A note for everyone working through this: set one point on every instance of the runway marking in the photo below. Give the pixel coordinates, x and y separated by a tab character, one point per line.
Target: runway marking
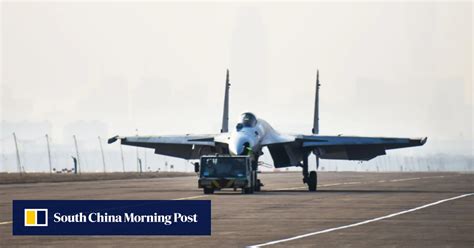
6	222
441	176
327	185
302	187
322	185
405	179
352	183
362	222
349	183
190	197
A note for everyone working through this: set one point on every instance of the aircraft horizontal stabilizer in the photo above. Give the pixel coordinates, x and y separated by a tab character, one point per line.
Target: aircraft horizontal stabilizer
113	139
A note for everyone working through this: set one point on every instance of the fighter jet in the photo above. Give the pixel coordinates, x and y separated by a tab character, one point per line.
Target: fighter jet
252	134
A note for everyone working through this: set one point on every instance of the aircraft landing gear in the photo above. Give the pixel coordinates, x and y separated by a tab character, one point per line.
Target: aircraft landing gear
313	181
311	178
257	183
258	186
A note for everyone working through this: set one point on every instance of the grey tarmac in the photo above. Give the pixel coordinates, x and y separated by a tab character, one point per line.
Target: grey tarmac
283	210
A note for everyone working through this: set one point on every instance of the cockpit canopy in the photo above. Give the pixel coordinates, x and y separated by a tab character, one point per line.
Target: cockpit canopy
247	120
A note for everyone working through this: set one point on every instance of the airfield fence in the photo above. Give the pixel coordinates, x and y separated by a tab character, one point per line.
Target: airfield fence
45	154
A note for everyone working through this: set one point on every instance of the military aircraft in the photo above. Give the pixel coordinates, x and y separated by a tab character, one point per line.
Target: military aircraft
252	134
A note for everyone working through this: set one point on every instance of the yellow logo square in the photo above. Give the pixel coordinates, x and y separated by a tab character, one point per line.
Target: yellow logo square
36	217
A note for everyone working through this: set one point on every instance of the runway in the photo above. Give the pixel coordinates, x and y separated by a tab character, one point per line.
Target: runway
349	210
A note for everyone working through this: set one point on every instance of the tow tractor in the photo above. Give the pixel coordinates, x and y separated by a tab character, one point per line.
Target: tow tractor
218	172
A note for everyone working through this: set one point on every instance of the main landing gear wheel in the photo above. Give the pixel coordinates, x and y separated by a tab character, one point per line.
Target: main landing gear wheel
208	191
258	186
312	181
253	186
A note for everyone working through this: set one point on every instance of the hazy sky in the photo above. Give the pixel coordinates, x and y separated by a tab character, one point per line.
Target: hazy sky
387	69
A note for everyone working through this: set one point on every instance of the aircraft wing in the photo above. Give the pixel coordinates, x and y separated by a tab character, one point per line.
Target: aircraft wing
354	147
337	147
181	146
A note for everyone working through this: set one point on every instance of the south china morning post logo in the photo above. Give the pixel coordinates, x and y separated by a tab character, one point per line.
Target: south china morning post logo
111	217
39	217
105	217
36	217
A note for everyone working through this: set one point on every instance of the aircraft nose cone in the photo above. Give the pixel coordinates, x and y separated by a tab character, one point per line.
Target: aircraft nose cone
238	146
236	149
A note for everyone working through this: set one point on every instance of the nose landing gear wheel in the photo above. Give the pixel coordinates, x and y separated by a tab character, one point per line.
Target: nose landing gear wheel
312	181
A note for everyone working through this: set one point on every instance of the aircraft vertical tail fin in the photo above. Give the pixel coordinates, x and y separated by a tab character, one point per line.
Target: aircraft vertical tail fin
316	114
225	115
316	106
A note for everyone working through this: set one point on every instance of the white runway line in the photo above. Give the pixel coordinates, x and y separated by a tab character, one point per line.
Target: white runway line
302	187
369	182
6	222
328	185
322	185
352	183
362	222
405	179
190	197
440	176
